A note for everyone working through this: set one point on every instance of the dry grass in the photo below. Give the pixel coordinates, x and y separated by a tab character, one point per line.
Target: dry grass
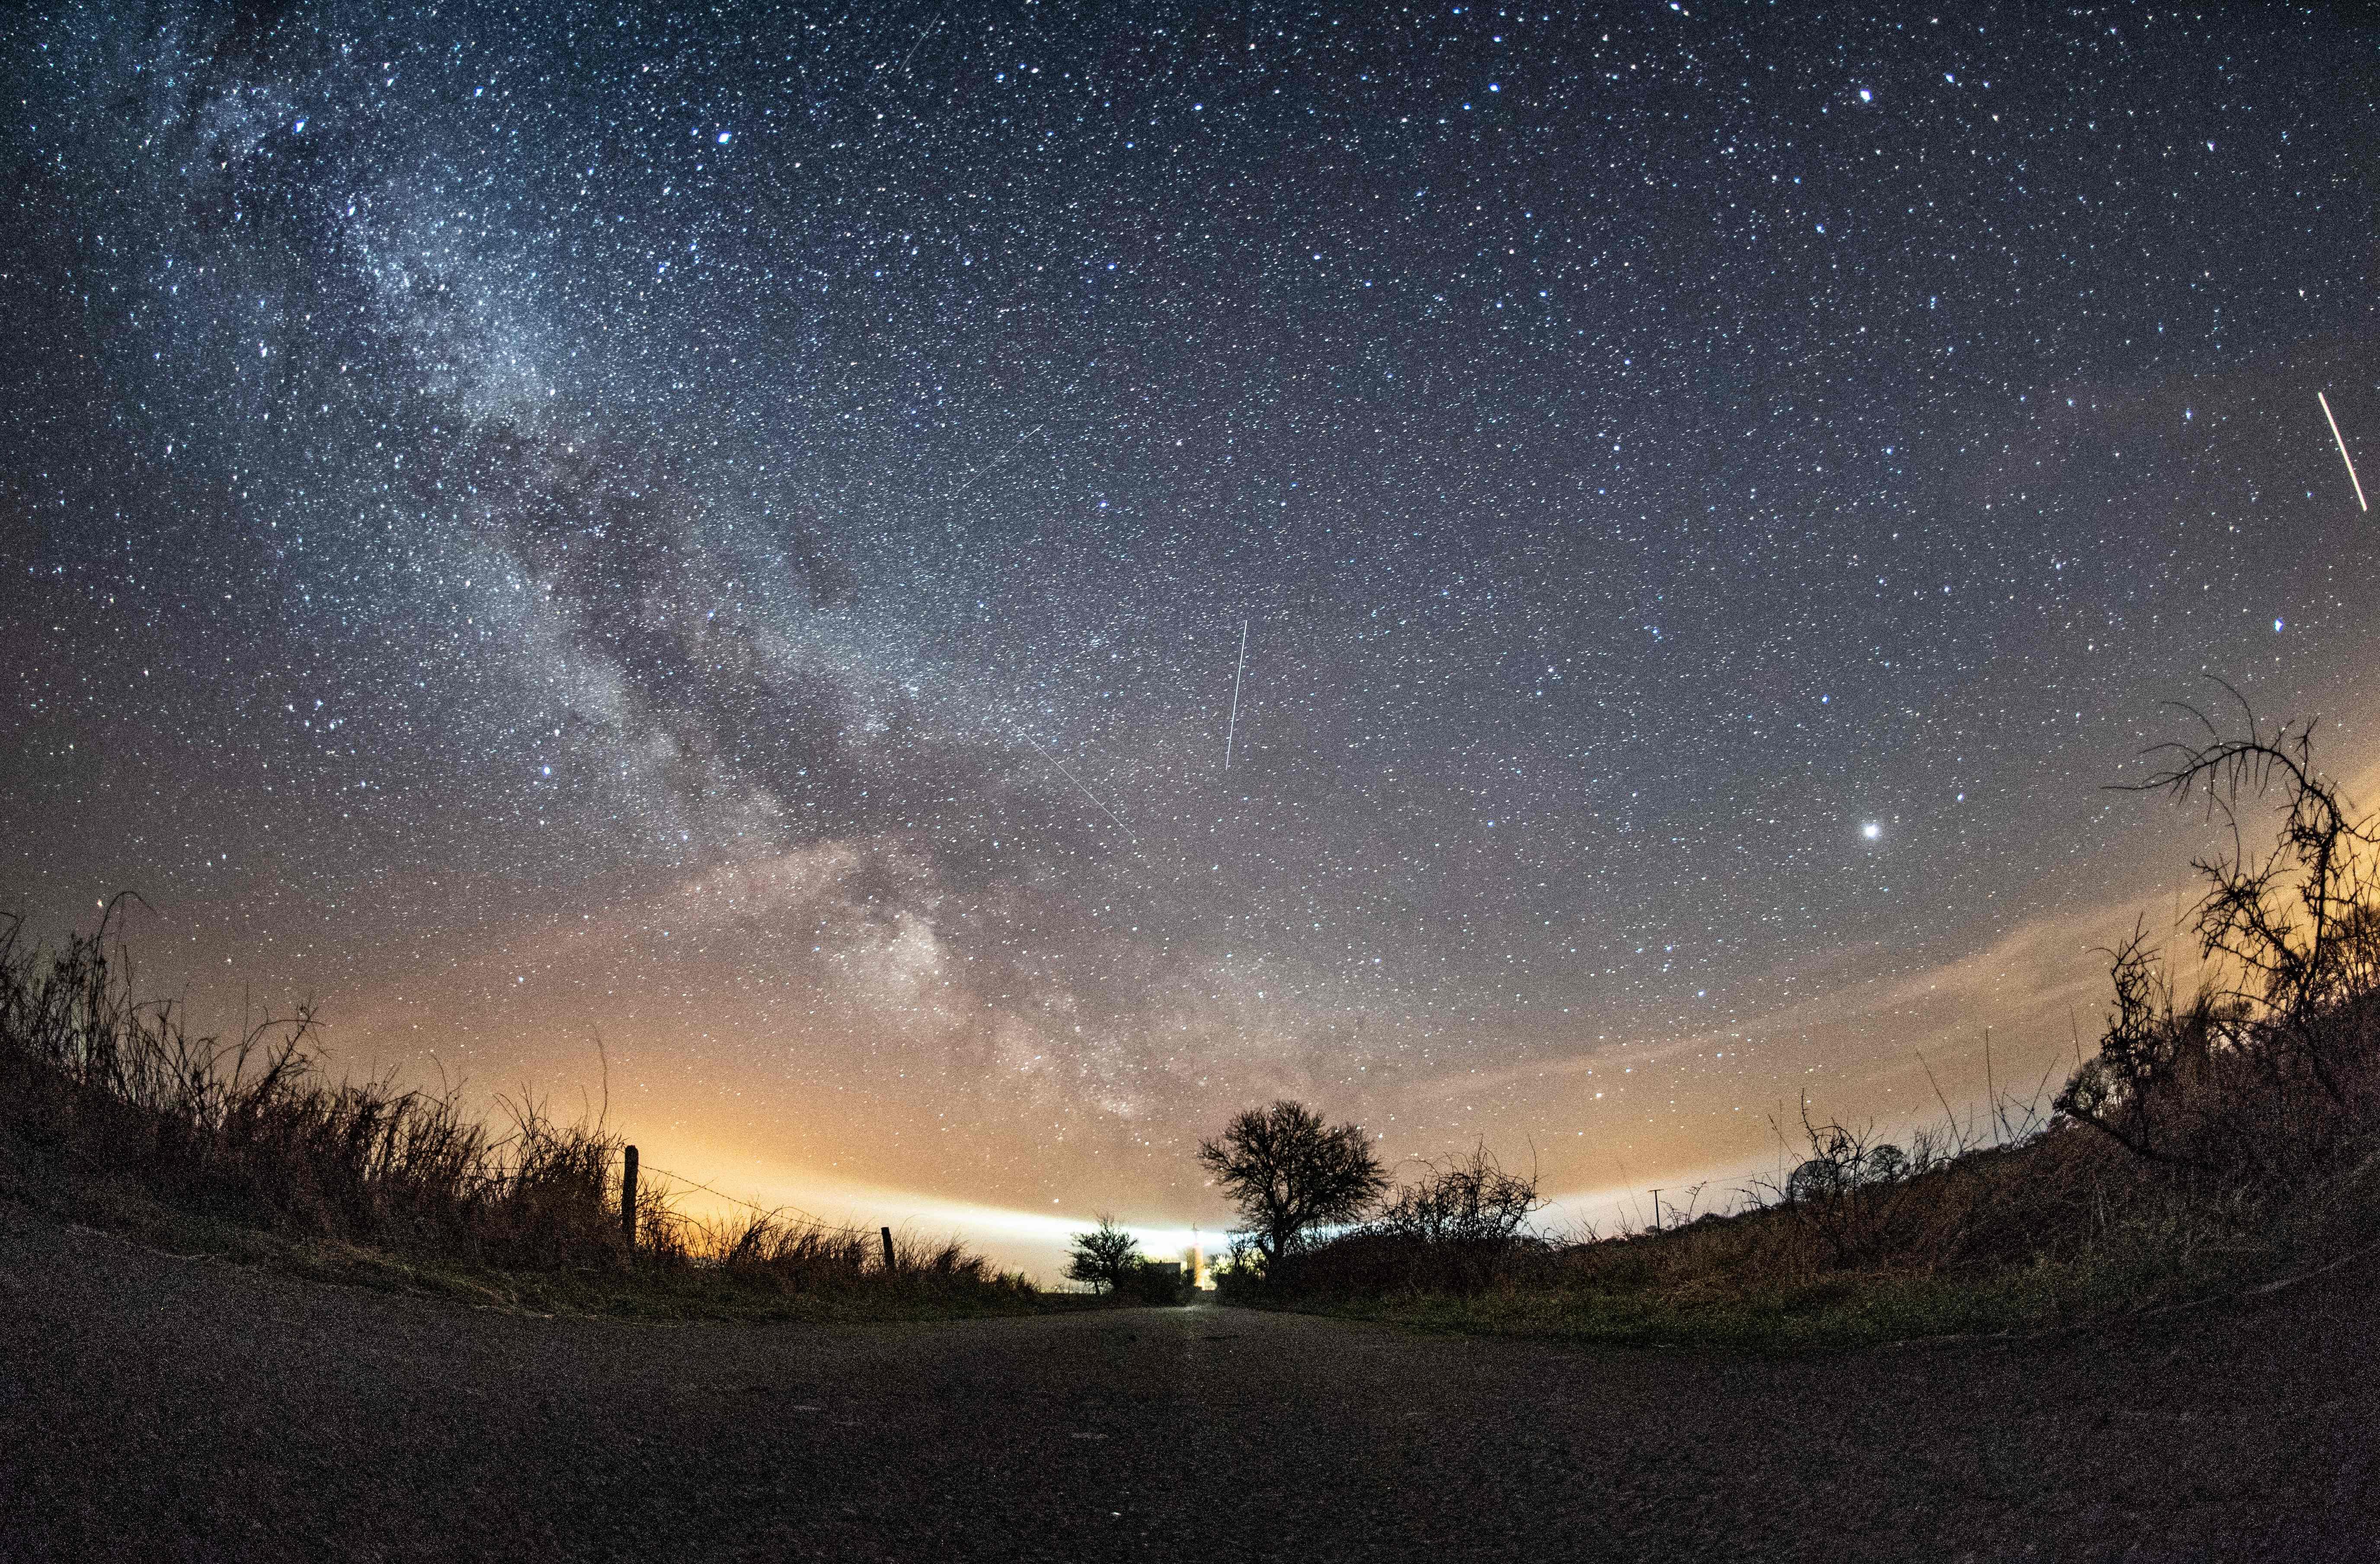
2063	1227
1865	1242
116	1110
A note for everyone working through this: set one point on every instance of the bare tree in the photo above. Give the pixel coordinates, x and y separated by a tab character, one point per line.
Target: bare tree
2231	1082
1104	1257
2301	921
1287	1171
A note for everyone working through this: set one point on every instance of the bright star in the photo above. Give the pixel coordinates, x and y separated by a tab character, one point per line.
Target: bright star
1872	830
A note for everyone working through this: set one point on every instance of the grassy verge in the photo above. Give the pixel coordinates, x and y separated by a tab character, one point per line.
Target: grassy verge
112	1114
657	1294
1834	1313
1968	1248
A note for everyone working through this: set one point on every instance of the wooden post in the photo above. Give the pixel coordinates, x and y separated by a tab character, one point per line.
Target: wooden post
889	1263
628	1198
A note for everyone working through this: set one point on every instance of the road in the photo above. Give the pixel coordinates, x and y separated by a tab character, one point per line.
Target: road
153	1406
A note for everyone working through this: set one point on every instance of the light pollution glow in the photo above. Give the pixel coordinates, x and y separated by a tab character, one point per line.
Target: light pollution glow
753	537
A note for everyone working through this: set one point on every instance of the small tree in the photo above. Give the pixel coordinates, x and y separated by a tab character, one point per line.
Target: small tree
1287	1171
1104	1257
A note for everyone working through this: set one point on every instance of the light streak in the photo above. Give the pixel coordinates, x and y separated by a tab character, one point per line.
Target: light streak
2342	450
1079	782
995	462
922	37
1229	732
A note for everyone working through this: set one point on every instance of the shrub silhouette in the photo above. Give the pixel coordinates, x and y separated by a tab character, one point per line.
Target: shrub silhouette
1160	1282
1852	1194
2268	1079
1460	1219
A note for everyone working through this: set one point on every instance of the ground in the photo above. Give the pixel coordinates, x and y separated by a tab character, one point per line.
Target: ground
156	1406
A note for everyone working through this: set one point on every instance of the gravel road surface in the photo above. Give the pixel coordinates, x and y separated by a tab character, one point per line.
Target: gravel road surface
159	1407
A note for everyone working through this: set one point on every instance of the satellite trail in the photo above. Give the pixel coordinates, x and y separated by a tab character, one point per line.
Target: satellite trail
995	462
2342	449
1236	672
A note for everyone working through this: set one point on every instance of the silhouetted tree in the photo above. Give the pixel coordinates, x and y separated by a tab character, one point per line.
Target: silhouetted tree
1287	1171
1104	1257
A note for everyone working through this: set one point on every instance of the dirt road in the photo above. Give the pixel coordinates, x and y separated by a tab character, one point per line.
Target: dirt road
157	1407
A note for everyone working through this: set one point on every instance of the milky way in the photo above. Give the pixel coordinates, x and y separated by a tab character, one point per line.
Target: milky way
729	530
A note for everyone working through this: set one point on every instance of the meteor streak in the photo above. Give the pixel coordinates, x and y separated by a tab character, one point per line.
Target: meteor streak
1079	782
2342	449
1236	672
995	462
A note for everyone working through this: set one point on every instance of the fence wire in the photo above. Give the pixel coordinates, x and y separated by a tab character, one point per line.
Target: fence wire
773	1210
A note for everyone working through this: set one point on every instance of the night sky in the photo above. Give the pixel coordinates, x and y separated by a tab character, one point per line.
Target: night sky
729	530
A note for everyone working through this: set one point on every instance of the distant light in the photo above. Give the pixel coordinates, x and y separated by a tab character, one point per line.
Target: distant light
1866	96
1872	830
725	136
2276	627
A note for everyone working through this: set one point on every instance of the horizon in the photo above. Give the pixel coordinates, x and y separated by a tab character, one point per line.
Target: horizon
925	608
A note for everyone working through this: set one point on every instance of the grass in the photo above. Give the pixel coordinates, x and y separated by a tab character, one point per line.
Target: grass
1968	1254
112	1113
1867	1244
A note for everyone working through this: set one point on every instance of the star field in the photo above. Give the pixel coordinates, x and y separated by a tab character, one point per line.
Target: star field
730	529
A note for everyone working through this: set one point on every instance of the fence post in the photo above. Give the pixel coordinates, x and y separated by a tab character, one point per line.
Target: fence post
889	1263
628	1198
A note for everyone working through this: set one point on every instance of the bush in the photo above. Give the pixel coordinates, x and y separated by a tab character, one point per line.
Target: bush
1158	1283
1453	1230
2275	1079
